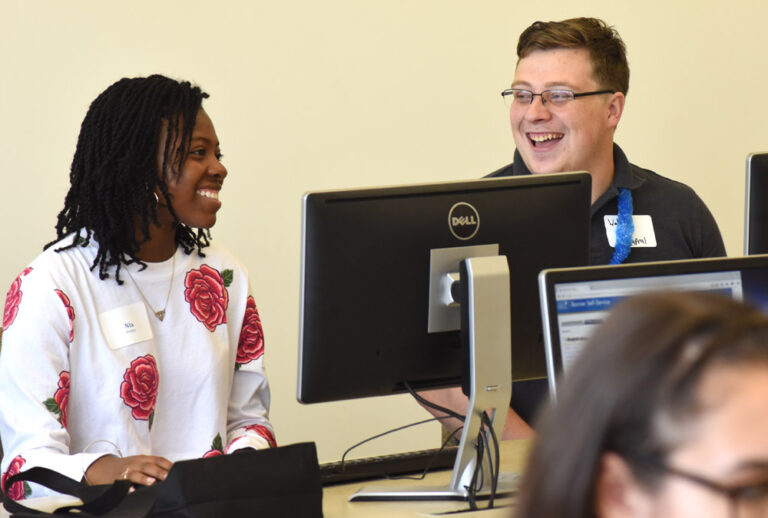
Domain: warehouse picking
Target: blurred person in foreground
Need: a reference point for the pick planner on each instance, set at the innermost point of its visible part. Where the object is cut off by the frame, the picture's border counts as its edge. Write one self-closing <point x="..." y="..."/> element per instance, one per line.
<point x="663" y="414"/>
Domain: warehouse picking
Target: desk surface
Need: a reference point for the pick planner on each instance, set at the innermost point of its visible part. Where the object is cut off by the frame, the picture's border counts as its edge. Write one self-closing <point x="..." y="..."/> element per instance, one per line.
<point x="336" y="504"/>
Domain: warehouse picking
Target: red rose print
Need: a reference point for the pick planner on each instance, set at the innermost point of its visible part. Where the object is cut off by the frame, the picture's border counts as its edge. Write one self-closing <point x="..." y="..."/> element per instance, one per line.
<point x="216" y="448"/>
<point x="251" y="344"/>
<point x="13" y="299"/>
<point x="212" y="453"/>
<point x="264" y="432"/>
<point x="208" y="298"/>
<point x="61" y="396"/>
<point x="70" y="313"/>
<point x="139" y="388"/>
<point x="17" y="490"/>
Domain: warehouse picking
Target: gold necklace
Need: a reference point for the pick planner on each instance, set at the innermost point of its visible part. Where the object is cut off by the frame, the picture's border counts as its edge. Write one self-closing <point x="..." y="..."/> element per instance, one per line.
<point x="160" y="314"/>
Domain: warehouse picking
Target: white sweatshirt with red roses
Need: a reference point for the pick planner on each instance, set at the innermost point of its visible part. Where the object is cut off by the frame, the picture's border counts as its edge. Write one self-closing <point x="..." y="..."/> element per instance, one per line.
<point x="87" y="368"/>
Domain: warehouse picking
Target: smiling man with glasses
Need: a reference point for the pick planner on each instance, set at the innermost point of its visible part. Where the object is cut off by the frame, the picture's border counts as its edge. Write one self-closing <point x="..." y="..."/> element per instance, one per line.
<point x="565" y="102"/>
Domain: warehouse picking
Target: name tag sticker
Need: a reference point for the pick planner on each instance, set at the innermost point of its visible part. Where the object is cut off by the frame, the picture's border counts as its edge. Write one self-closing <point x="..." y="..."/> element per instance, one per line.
<point x="126" y="325"/>
<point x="643" y="236"/>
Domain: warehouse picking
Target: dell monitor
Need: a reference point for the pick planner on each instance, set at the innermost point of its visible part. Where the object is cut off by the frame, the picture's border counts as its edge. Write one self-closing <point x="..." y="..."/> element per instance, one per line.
<point x="756" y="205"/>
<point x="377" y="266"/>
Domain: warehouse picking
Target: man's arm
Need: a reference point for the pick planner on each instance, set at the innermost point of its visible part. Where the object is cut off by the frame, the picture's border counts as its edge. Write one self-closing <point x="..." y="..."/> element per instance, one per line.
<point x="455" y="400"/>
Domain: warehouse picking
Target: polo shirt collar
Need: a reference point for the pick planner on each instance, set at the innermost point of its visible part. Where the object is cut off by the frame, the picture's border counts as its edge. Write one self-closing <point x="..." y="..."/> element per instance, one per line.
<point x="623" y="176"/>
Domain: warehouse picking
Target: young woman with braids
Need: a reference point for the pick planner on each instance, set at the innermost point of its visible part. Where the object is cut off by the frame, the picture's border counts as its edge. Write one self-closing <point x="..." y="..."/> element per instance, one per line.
<point x="132" y="341"/>
<point x="665" y="414"/>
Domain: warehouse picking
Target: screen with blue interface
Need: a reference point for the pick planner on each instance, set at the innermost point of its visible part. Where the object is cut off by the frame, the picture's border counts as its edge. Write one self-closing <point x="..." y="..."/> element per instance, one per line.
<point x="582" y="306"/>
<point x="575" y="301"/>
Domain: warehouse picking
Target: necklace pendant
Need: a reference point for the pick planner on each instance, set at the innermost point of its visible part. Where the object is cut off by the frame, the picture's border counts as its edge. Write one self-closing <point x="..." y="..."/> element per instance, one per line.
<point x="160" y="314"/>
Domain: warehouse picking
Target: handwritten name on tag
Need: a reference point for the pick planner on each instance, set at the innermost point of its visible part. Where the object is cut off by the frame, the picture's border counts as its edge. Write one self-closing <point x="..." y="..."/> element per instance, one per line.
<point x="643" y="236"/>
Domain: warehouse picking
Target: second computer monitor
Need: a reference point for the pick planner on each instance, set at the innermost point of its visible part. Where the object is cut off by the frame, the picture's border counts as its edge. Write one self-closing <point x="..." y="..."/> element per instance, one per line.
<point x="756" y="205"/>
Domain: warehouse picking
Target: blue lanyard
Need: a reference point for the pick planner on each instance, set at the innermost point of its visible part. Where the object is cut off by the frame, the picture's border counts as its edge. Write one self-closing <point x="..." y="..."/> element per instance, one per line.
<point x="625" y="227"/>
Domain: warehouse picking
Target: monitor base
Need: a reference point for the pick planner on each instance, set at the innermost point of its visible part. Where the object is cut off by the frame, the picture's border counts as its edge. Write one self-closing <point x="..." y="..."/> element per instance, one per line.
<point x="508" y="483"/>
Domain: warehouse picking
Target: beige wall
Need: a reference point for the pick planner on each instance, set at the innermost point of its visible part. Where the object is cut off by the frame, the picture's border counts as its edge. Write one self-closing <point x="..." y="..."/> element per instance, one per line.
<point x="316" y="95"/>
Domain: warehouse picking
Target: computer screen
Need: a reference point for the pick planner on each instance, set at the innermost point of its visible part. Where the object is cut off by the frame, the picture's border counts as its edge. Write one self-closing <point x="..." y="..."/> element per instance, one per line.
<point x="575" y="301"/>
<point x="756" y="205"/>
<point x="368" y="322"/>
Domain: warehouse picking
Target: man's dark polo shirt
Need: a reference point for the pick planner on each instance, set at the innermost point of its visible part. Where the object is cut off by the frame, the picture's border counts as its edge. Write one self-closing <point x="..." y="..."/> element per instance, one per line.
<point x="684" y="229"/>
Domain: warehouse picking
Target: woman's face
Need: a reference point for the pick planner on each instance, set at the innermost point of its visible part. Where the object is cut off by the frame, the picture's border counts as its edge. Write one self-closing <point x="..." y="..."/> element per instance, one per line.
<point x="727" y="446"/>
<point x="195" y="189"/>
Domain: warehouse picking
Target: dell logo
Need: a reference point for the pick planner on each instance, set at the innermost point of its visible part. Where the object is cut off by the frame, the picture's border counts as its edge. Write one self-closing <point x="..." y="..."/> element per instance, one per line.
<point x="463" y="220"/>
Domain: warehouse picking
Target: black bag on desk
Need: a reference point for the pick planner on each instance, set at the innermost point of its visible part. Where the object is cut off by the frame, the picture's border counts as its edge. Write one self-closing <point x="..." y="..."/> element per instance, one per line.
<point x="276" y="482"/>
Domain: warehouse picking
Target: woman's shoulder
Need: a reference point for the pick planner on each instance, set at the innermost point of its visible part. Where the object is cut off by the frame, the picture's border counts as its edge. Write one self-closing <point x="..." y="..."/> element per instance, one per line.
<point x="63" y="257"/>
<point x="216" y="254"/>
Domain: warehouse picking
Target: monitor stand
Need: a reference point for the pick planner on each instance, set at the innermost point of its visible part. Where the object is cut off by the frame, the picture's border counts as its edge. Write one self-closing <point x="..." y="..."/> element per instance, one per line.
<point x="490" y="370"/>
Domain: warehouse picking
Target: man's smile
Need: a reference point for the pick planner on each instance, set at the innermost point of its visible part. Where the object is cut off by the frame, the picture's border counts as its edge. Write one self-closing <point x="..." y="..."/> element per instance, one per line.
<point x="539" y="138"/>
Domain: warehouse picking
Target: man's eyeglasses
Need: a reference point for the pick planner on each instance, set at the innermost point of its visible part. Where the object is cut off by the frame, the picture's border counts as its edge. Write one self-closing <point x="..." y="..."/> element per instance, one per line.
<point x="746" y="500"/>
<point x="558" y="97"/>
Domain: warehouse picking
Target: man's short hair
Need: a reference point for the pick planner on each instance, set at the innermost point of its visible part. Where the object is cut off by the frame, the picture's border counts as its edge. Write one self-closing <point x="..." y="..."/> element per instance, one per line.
<point x="606" y="48"/>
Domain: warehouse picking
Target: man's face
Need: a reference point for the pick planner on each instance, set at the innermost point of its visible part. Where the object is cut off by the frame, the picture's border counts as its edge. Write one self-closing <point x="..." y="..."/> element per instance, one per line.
<point x="577" y="136"/>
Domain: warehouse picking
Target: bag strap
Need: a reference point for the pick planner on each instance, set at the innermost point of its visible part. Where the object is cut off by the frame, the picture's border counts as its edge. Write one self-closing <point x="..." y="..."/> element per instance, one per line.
<point x="97" y="500"/>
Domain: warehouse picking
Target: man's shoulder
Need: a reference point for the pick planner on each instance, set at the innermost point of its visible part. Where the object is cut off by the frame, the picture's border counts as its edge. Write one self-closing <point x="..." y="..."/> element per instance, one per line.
<point x="507" y="170"/>
<point x="653" y="181"/>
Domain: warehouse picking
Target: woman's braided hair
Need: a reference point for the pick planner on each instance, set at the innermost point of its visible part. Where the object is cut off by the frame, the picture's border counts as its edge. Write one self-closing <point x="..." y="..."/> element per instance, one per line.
<point x="117" y="167"/>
